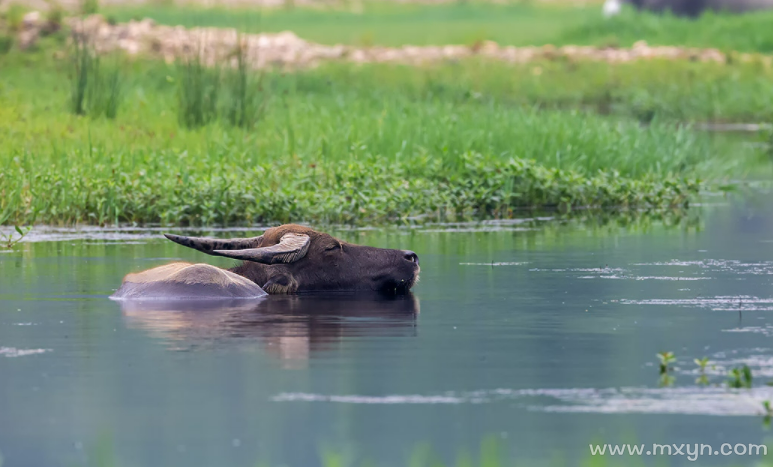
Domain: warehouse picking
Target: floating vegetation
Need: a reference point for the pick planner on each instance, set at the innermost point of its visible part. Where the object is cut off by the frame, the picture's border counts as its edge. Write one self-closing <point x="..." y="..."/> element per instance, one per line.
<point x="666" y="378"/>
<point x="666" y="359"/>
<point x="10" y="239"/>
<point x="740" y="378"/>
<point x="702" y="364"/>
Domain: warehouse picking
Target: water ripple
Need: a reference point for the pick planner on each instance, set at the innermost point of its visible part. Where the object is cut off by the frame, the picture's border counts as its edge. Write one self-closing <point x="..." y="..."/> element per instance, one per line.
<point x="720" y="265"/>
<point x="692" y="400"/>
<point x="13" y="352"/>
<point x="720" y="303"/>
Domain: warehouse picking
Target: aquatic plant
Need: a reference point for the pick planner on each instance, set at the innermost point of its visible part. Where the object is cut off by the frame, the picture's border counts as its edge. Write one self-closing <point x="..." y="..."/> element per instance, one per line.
<point x="282" y="190"/>
<point x="8" y="240"/>
<point x="702" y="364"/>
<point x="666" y="359"/>
<point x="740" y="378"/>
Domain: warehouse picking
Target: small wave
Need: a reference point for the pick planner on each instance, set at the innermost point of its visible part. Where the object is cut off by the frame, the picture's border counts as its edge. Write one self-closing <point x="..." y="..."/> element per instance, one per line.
<point x="720" y="265"/>
<point x="606" y="270"/>
<point x="692" y="400"/>
<point x="357" y="399"/>
<point x="13" y="352"/>
<point x="766" y="330"/>
<point x="646" y="278"/>
<point x="482" y="228"/>
<point x="685" y="401"/>
<point x="719" y="303"/>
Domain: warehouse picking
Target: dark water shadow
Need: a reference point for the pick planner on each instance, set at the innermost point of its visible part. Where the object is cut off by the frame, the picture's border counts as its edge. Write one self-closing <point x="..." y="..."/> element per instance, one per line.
<point x="289" y="327"/>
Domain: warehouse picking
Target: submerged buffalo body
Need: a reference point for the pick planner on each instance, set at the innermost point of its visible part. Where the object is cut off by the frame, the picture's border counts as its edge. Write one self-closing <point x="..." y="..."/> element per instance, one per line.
<point x="284" y="260"/>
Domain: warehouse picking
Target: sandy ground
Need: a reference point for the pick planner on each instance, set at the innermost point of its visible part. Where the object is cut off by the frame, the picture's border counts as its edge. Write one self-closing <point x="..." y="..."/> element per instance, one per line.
<point x="287" y="50"/>
<point x="73" y="5"/>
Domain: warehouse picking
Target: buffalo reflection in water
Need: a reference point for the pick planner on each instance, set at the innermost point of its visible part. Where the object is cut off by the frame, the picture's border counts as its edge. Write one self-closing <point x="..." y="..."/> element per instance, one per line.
<point x="290" y="327"/>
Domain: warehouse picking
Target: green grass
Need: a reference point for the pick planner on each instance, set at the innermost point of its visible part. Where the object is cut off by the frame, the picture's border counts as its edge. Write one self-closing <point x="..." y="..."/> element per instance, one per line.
<point x="676" y="91"/>
<point x="336" y="144"/>
<point x="520" y="24"/>
<point x="198" y="90"/>
<point x="381" y="23"/>
<point x="751" y="32"/>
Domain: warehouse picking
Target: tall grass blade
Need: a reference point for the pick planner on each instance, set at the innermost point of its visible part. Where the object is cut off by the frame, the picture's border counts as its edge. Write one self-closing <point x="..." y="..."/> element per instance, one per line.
<point x="198" y="90"/>
<point x="245" y="100"/>
<point x="82" y="61"/>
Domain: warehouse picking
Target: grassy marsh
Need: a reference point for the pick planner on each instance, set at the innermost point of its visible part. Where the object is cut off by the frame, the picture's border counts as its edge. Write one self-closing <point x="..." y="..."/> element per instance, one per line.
<point x="643" y="90"/>
<point x="403" y="142"/>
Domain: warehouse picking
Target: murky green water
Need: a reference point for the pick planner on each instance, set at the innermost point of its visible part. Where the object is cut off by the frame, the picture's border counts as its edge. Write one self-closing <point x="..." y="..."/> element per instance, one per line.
<point x="543" y="338"/>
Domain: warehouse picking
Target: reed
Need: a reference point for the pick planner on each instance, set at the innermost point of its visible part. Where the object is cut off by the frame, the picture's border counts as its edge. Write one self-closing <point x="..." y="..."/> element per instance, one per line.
<point x="244" y="97"/>
<point x="198" y="91"/>
<point x="96" y="88"/>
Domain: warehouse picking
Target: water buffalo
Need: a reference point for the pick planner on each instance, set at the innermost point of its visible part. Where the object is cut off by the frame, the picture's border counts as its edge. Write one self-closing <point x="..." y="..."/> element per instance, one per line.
<point x="696" y="7"/>
<point x="287" y="259"/>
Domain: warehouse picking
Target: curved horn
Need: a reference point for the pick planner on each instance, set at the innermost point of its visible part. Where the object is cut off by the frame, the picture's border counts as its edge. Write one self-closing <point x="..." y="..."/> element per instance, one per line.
<point x="290" y="248"/>
<point x="210" y="245"/>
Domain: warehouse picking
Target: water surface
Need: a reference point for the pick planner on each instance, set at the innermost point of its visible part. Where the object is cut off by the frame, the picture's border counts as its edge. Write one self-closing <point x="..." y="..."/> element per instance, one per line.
<point x="542" y="335"/>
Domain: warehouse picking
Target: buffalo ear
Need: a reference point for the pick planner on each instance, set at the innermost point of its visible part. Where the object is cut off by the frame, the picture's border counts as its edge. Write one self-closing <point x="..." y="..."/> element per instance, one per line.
<point x="291" y="248"/>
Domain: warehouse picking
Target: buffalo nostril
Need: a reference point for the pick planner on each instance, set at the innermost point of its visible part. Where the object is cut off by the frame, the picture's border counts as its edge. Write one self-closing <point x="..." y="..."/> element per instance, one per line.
<point x="411" y="256"/>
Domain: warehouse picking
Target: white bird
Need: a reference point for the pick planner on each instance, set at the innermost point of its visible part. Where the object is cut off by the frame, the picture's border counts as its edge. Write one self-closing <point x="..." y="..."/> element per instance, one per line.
<point x="612" y="8"/>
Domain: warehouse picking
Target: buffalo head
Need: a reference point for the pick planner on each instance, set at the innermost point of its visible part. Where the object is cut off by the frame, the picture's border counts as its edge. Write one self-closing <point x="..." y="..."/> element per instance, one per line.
<point x="295" y="259"/>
